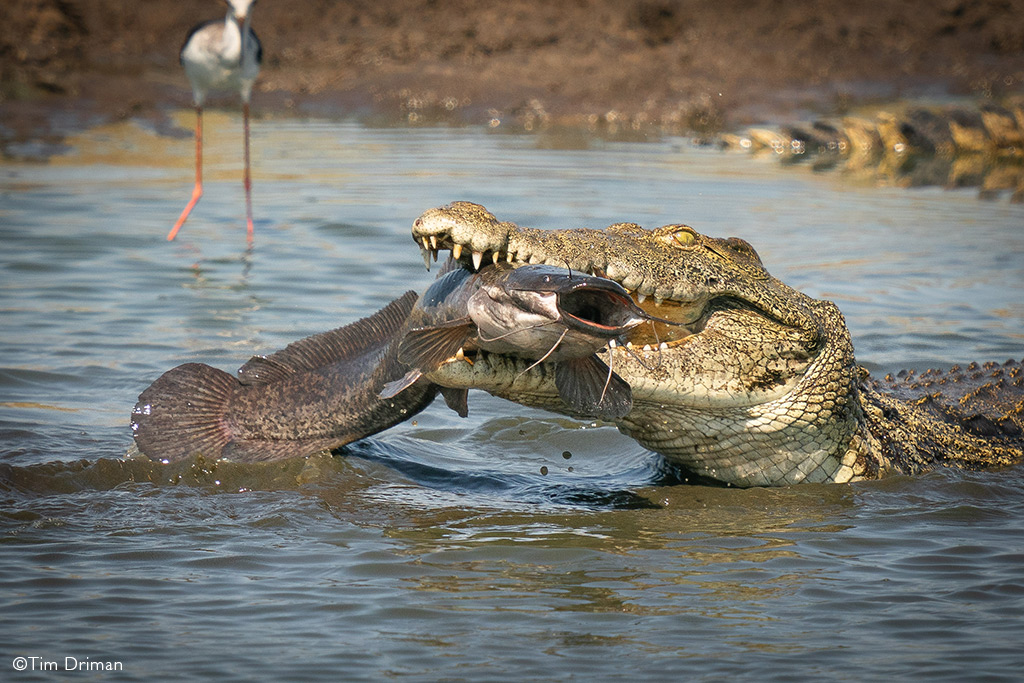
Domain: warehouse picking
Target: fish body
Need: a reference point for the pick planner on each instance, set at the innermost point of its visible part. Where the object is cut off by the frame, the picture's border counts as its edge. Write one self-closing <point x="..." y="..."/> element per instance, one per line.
<point x="538" y="312"/>
<point x="317" y="394"/>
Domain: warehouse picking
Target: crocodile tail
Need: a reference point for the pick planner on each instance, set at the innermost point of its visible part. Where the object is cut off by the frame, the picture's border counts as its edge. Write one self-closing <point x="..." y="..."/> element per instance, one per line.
<point x="181" y="413"/>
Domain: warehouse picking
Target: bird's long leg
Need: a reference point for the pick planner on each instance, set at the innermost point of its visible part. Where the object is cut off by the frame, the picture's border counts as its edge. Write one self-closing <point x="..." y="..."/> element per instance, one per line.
<point x="247" y="180"/>
<point x="197" y="191"/>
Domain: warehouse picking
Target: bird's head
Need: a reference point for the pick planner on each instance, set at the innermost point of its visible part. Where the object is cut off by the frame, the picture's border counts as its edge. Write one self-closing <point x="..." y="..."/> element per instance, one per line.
<point x="240" y="8"/>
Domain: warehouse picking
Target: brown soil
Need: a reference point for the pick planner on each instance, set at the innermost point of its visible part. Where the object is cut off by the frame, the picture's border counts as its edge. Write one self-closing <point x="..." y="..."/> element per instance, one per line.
<point x="689" y="65"/>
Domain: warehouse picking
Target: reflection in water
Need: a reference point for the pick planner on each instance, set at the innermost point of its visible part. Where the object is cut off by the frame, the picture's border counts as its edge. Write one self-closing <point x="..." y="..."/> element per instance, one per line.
<point x="993" y="177"/>
<point x="246" y="259"/>
<point x="949" y="147"/>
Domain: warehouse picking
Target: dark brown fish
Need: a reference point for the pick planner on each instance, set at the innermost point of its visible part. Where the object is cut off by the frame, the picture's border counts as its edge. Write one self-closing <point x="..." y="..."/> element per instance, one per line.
<point x="317" y="394"/>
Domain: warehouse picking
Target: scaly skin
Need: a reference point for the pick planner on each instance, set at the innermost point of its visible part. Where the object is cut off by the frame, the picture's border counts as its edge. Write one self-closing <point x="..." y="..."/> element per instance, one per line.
<point x="758" y="385"/>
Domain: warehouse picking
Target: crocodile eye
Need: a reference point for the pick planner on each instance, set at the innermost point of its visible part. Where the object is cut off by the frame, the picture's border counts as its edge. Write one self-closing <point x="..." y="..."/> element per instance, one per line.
<point x="685" y="237"/>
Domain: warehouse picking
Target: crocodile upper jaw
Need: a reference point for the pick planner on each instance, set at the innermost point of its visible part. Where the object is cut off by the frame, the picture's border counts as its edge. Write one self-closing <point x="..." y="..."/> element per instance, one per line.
<point x="692" y="283"/>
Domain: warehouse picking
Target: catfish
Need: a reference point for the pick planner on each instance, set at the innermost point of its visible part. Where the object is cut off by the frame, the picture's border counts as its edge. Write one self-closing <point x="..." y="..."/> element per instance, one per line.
<point x="538" y="312"/>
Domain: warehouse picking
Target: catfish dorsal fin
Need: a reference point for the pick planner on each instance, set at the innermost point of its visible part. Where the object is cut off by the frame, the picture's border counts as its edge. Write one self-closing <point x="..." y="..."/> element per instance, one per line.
<point x="351" y="341"/>
<point x="427" y="347"/>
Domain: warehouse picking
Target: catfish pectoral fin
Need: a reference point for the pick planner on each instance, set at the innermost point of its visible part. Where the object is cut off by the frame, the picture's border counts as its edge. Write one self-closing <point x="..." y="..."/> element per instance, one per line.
<point x="427" y="347"/>
<point x="457" y="400"/>
<point x="392" y="389"/>
<point x="617" y="401"/>
<point x="180" y="413"/>
<point x="581" y="385"/>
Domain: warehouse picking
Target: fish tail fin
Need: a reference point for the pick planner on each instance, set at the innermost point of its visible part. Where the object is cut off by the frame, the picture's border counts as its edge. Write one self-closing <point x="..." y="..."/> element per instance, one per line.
<point x="588" y="387"/>
<point x="181" y="413"/>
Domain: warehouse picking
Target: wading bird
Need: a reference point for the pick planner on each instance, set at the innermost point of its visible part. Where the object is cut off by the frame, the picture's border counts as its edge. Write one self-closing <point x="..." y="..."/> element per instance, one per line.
<point x="221" y="55"/>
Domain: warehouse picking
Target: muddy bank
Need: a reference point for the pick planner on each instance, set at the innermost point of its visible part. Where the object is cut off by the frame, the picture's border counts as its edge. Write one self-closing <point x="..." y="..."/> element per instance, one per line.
<point x="698" y="66"/>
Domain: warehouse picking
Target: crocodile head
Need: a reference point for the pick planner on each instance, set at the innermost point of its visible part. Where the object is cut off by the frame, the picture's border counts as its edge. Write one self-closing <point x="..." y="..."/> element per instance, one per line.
<point x="747" y="381"/>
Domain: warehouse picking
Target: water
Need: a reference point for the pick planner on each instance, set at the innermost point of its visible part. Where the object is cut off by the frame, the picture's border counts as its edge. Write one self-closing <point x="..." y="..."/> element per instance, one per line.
<point x="439" y="549"/>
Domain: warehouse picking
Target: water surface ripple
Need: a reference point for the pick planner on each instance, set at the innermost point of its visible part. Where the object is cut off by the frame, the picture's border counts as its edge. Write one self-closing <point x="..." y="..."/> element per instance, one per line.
<point x="439" y="549"/>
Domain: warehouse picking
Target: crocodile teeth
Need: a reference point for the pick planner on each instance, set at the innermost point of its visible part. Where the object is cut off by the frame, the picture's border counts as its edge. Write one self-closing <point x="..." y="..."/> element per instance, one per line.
<point x="640" y="297"/>
<point x="426" y="243"/>
<point x="478" y="257"/>
<point x="457" y="251"/>
<point x="496" y="257"/>
<point x="433" y="242"/>
<point x="510" y="257"/>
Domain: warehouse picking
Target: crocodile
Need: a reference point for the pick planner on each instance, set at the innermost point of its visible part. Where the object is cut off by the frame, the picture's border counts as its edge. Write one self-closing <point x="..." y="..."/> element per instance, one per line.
<point x="755" y="383"/>
<point x="946" y="146"/>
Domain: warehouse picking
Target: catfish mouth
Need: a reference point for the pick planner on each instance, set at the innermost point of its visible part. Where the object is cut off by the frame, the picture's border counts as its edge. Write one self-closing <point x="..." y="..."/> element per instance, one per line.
<point x="670" y="322"/>
<point x="598" y="311"/>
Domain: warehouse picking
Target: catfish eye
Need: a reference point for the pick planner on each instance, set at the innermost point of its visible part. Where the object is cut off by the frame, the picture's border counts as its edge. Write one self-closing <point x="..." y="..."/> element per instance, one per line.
<point x="685" y="238"/>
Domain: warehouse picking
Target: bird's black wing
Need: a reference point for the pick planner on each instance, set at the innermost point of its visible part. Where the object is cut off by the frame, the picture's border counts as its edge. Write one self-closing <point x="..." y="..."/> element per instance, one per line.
<point x="195" y="29"/>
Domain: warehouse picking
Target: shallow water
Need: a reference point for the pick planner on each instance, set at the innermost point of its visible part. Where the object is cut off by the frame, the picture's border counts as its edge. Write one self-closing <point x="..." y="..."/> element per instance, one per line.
<point x="439" y="549"/>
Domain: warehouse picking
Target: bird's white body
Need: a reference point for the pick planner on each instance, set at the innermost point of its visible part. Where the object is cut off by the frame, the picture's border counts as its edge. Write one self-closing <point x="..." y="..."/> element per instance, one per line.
<point x="223" y="55"/>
